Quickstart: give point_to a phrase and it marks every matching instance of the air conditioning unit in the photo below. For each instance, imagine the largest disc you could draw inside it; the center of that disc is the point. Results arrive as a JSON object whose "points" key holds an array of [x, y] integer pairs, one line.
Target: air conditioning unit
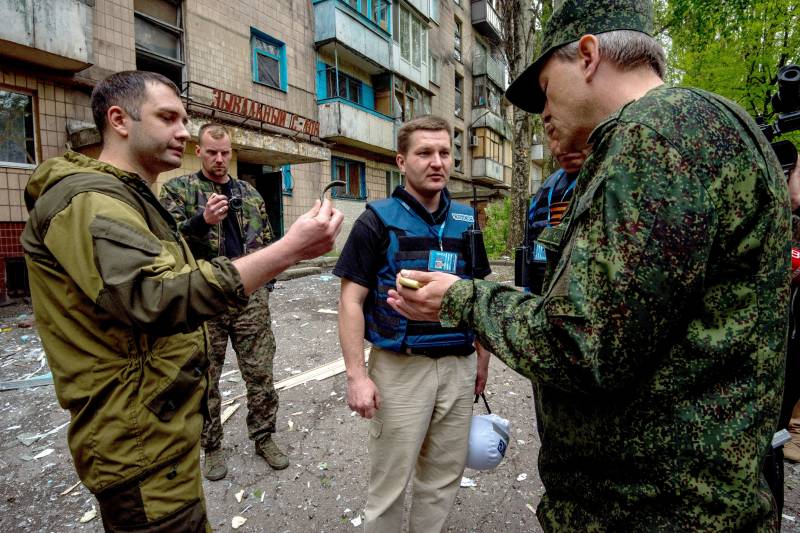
{"points": [[473, 141]]}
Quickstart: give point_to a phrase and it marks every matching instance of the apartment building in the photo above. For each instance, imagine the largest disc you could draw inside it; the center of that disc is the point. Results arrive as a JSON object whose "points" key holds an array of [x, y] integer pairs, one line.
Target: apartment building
{"points": [[312, 90]]}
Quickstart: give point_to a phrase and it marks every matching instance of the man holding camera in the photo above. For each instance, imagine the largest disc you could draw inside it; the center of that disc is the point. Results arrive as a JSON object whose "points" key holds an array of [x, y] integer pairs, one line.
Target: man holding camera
{"points": [[220, 215]]}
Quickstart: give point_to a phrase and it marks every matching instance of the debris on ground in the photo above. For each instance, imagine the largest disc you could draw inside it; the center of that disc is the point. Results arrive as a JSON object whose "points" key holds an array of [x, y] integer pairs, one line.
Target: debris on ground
{"points": [[468, 482], [89, 515], [238, 521]]}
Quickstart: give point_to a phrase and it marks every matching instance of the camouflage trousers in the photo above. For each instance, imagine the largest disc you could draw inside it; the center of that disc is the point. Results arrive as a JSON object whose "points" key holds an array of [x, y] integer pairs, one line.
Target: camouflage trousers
{"points": [[251, 336]]}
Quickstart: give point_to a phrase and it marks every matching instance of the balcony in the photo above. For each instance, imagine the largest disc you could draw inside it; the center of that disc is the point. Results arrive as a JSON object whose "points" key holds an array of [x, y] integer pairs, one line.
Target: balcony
{"points": [[56, 34], [487, 171], [494, 122], [357, 40], [486, 65], [486, 20], [346, 123]]}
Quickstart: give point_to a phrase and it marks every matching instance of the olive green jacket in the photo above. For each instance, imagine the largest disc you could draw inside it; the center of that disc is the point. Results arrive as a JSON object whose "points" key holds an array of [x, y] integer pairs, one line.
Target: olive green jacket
{"points": [[120, 304]]}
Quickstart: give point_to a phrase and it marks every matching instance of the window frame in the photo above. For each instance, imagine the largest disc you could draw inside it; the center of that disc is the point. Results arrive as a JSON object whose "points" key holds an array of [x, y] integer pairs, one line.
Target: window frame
{"points": [[420, 41], [458, 150], [139, 49], [34, 130], [391, 177], [256, 34], [348, 163], [458, 40], [458, 95]]}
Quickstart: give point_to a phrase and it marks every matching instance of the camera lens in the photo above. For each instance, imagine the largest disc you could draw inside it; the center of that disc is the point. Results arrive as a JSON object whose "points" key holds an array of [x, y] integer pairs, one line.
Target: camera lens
{"points": [[235, 203]]}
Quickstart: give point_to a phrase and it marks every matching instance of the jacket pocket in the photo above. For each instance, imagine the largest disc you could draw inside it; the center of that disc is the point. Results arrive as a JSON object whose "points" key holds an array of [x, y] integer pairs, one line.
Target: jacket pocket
{"points": [[166, 402]]}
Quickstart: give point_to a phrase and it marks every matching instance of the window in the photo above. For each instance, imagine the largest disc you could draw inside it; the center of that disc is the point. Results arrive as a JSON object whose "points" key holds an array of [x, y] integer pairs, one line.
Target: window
{"points": [[457, 44], [413, 38], [435, 11], [393, 180], [458, 141], [269, 60], [433, 73], [17, 143], [410, 100], [158, 32], [352, 173], [339, 84], [380, 13], [459, 95], [485, 94]]}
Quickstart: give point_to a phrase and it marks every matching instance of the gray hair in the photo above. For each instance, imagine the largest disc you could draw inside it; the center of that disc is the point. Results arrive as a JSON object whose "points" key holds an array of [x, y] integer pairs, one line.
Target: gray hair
{"points": [[627, 49]]}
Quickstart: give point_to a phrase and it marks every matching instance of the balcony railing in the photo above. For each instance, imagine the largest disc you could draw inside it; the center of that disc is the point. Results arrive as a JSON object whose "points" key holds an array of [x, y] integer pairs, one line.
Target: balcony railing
{"points": [[483, 64], [57, 34], [486, 20], [488, 171], [348, 123]]}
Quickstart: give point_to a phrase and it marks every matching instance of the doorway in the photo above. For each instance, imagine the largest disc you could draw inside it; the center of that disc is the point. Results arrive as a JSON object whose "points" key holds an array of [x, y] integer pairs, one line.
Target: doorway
{"points": [[269, 185]]}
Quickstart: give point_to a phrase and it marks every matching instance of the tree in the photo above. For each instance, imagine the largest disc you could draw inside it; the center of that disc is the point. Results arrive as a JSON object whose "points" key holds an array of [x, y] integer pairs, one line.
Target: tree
{"points": [[522, 21], [734, 48]]}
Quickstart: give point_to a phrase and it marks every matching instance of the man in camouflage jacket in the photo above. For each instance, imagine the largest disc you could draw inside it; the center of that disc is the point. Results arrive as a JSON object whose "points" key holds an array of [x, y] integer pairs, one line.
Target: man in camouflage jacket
{"points": [[120, 304], [219, 215], [658, 345]]}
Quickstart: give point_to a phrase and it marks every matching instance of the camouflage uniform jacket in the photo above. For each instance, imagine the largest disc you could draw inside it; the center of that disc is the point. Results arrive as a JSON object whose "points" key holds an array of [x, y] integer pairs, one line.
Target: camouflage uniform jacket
{"points": [[185, 198], [658, 345], [120, 304]]}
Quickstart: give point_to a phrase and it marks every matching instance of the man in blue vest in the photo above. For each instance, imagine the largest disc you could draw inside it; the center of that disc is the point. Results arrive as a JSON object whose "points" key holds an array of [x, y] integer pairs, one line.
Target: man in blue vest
{"points": [[418, 390]]}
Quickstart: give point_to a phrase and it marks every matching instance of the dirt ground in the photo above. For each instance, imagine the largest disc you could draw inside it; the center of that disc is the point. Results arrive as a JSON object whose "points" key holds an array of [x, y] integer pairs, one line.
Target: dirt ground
{"points": [[324, 488]]}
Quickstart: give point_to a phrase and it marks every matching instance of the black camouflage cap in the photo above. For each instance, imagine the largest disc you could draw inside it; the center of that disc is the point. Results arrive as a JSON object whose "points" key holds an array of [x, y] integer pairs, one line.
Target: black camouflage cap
{"points": [[570, 22]]}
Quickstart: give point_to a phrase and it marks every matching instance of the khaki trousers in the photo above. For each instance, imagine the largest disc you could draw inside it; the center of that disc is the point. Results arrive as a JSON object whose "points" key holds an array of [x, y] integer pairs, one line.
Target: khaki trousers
{"points": [[422, 428]]}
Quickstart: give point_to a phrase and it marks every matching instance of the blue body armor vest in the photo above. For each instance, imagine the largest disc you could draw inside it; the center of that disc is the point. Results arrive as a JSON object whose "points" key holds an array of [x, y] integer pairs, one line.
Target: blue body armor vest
{"points": [[410, 241]]}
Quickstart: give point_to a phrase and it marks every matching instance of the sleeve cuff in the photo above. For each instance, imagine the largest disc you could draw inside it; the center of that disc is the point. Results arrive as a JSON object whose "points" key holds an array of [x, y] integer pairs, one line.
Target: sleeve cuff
{"points": [[197, 225], [457, 304]]}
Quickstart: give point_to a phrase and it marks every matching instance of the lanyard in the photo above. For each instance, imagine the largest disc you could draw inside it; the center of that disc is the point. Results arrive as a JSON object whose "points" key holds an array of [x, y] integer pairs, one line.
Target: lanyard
{"points": [[441, 228]]}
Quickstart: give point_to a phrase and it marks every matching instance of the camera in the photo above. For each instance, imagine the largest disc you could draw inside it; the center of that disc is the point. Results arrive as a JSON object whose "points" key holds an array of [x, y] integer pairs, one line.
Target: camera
{"points": [[786, 104], [235, 203]]}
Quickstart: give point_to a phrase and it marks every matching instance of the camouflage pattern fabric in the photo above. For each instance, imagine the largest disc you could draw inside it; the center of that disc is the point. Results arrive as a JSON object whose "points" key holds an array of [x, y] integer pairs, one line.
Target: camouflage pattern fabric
{"points": [[251, 330], [186, 196], [251, 335], [659, 344]]}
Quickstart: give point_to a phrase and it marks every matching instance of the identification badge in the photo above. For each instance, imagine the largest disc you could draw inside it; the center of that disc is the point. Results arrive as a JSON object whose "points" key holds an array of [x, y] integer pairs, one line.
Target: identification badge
{"points": [[539, 253], [442, 261]]}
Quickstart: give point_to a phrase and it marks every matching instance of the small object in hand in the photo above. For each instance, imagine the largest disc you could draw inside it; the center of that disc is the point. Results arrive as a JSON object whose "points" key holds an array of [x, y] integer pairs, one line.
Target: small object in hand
{"points": [[334, 183], [410, 283]]}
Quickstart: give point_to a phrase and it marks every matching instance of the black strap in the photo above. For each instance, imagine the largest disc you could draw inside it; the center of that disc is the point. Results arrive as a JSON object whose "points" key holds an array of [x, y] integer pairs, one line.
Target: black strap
{"points": [[484, 401]]}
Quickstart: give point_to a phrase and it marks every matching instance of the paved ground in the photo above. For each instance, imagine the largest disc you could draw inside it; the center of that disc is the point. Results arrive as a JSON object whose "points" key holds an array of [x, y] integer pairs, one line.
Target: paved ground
{"points": [[324, 488]]}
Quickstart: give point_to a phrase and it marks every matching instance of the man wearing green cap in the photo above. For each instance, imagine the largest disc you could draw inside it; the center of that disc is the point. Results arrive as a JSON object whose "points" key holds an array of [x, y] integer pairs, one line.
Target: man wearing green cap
{"points": [[658, 345]]}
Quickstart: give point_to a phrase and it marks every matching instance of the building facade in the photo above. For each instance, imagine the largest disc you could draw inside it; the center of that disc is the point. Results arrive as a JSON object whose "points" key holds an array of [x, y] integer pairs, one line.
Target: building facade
{"points": [[311, 90]]}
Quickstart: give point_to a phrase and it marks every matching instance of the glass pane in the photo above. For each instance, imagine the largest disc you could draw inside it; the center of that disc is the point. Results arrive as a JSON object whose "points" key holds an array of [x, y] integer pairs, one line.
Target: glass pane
{"points": [[268, 70], [330, 79], [405, 35], [16, 128], [365, 8], [416, 35], [354, 179], [342, 86], [354, 90], [352, 3], [339, 170], [156, 39], [159, 9], [478, 92], [267, 47]]}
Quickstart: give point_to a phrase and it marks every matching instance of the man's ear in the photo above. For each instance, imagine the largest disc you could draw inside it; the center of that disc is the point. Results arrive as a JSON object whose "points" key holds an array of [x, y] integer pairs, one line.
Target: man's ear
{"points": [[401, 163], [589, 55], [117, 120]]}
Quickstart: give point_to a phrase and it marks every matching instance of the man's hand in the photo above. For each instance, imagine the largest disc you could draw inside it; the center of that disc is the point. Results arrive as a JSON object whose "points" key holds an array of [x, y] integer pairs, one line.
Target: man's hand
{"points": [[216, 209], [314, 233], [363, 396], [794, 187], [483, 368], [424, 303]]}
